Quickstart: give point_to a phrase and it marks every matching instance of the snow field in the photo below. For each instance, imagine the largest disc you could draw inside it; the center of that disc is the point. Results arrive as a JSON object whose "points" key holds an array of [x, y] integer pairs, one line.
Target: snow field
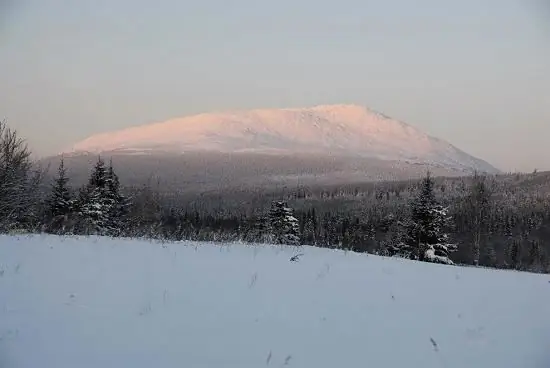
{"points": [[100, 302]]}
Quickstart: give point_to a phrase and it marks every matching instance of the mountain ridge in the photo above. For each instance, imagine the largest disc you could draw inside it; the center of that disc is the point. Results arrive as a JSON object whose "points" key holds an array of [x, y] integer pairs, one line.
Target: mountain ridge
{"points": [[331, 130]]}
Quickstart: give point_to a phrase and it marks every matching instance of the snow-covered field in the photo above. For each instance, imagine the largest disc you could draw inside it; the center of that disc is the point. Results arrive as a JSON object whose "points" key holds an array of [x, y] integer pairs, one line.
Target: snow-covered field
{"points": [[98, 302]]}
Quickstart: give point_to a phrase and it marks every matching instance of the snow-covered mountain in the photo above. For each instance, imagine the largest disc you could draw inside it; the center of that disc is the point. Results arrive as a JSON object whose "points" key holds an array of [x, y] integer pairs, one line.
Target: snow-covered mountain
{"points": [[332, 130]]}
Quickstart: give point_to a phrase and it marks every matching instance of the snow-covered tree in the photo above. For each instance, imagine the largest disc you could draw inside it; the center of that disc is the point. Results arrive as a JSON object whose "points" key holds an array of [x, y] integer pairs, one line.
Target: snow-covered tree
{"points": [[20, 182], [259, 230], [284, 226], [60, 202], [478, 205], [98, 178], [424, 232], [118, 203], [309, 227], [536, 256], [95, 202], [440, 249], [514, 253]]}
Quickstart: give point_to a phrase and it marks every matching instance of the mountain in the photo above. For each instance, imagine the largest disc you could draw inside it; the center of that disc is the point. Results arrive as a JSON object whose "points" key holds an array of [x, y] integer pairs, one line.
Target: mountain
{"points": [[343, 131], [243, 150]]}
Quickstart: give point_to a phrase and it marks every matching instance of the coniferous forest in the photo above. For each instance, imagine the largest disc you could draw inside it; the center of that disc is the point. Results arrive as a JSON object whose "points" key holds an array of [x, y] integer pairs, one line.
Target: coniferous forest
{"points": [[493, 221]]}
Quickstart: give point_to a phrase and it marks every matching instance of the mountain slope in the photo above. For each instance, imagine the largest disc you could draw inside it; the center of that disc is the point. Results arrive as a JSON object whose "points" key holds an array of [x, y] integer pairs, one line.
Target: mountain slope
{"points": [[331, 130], [99, 302]]}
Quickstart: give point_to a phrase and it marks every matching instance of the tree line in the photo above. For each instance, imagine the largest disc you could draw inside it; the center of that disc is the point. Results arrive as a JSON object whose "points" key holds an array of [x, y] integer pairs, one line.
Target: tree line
{"points": [[477, 221], [97, 208]]}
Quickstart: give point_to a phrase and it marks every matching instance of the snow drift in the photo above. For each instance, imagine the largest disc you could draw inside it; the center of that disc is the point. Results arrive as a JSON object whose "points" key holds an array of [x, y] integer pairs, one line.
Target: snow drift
{"points": [[334, 130], [97, 302]]}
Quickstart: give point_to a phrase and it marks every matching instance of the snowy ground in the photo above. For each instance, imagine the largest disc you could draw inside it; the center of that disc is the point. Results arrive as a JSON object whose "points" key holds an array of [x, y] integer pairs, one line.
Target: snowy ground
{"points": [[97, 302]]}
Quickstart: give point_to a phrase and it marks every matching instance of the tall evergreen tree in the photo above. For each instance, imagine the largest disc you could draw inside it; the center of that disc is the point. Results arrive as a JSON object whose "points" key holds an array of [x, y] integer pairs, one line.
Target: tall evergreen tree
{"points": [[60, 202], [309, 233], [117, 201], [261, 230], [535, 256], [98, 177], [283, 225], [424, 235], [514, 254], [95, 202], [478, 209]]}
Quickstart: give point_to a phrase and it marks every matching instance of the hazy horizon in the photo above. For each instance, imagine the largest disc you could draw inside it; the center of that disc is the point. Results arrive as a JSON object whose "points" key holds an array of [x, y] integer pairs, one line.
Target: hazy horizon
{"points": [[474, 74]]}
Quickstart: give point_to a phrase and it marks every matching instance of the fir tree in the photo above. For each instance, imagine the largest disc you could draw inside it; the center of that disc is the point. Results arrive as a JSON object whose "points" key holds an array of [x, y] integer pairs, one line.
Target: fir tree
{"points": [[98, 178], [478, 206], [60, 202], [262, 230], [118, 204], [535, 256], [95, 202], [283, 225], [490, 256], [310, 227], [424, 236], [514, 254]]}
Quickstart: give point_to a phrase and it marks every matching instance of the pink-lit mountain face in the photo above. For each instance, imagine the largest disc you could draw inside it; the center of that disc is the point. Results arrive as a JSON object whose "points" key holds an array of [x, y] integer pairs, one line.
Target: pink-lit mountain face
{"points": [[330, 130]]}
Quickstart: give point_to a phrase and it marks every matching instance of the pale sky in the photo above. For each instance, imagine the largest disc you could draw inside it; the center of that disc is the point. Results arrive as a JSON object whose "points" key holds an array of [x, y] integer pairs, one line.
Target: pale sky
{"points": [[473, 72]]}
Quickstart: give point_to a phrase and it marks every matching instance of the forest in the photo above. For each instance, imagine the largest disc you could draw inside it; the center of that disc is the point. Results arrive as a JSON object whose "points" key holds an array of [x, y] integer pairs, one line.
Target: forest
{"points": [[500, 221]]}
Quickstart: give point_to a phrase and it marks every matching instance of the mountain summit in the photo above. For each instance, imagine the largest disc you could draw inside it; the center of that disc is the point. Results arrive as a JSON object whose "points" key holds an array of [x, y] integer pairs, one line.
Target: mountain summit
{"points": [[327, 130]]}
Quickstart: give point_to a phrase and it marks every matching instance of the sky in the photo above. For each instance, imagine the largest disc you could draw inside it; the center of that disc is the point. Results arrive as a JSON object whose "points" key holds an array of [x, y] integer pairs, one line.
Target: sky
{"points": [[474, 73]]}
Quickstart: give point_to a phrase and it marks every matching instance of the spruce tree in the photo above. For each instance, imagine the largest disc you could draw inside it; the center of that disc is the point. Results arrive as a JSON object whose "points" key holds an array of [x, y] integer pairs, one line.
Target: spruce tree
{"points": [[283, 225], [535, 256], [60, 202], [424, 232], [95, 202], [118, 203], [478, 210], [514, 254], [310, 228], [98, 178], [262, 230]]}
